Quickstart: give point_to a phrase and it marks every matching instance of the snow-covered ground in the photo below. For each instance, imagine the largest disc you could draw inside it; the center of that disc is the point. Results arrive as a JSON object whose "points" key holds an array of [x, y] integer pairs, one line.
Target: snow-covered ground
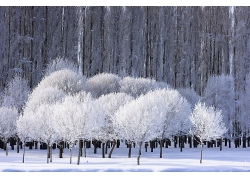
{"points": [[214, 160]]}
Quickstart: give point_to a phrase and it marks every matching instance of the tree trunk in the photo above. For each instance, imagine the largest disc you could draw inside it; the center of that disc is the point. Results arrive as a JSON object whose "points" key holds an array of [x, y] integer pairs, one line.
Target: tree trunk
{"points": [[79, 151], [220, 144], [106, 147], [112, 148], [84, 147], [17, 146], [129, 150], [161, 144], [50, 148], [229, 143], [201, 152], [48, 153], [103, 150], [61, 149], [70, 159], [6, 147], [23, 151], [139, 154]]}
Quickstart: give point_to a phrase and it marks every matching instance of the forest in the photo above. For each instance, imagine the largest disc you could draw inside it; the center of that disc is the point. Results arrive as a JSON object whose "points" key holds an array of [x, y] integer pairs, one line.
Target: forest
{"points": [[198, 55]]}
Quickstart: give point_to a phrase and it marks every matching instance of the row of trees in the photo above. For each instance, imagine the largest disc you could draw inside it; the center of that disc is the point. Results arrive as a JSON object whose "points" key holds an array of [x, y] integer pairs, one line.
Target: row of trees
{"points": [[66, 106]]}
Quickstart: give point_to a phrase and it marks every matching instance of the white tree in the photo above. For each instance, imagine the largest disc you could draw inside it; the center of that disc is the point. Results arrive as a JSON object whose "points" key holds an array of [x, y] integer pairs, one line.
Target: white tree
{"points": [[219, 92], [111, 102], [207, 124], [78, 117], [177, 110], [136, 120], [103, 83], [16, 93], [66, 80], [8, 118], [60, 64], [26, 128]]}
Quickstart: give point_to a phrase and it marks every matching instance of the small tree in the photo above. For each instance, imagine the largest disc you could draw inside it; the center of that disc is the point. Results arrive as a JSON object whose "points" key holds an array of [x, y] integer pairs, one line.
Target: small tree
{"points": [[8, 118], [207, 124], [140, 119], [111, 102]]}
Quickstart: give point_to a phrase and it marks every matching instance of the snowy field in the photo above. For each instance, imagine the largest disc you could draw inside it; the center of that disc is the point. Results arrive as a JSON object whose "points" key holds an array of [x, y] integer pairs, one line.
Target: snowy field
{"points": [[214, 160]]}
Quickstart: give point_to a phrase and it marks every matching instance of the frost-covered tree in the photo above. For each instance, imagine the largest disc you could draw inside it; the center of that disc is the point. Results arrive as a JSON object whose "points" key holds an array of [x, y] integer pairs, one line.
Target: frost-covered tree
{"points": [[26, 128], [8, 116], [16, 93], [219, 92], [66, 80], [135, 121], [176, 109], [207, 124], [111, 102], [78, 117], [103, 83], [60, 64]]}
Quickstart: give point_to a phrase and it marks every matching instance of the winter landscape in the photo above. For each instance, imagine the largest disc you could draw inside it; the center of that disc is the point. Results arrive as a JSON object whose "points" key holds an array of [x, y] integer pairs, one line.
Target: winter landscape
{"points": [[167, 92]]}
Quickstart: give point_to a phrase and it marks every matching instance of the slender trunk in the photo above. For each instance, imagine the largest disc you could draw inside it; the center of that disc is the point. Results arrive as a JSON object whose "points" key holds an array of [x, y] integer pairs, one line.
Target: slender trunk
{"points": [[106, 147], [161, 144], [84, 147], [79, 151], [70, 159], [229, 143], [17, 146], [61, 149], [129, 150], [201, 152], [181, 143], [50, 148], [112, 148], [48, 153], [23, 151], [139, 154], [103, 150], [220, 144], [6, 147]]}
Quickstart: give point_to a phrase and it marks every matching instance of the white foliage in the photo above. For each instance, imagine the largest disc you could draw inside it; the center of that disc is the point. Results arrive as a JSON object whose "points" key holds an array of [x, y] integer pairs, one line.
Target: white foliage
{"points": [[60, 64], [8, 118], [137, 86], [66, 80], [78, 117], [207, 122], [111, 102], [103, 83], [16, 93]]}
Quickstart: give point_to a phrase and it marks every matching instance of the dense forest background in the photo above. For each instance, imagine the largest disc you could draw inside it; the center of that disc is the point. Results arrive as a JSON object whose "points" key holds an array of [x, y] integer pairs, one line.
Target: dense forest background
{"points": [[180, 45]]}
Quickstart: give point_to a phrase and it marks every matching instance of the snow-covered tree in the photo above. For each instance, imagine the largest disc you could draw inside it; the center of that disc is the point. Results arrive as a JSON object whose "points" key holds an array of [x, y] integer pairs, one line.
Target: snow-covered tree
{"points": [[103, 83], [66, 80], [111, 102], [207, 124], [60, 64], [219, 92], [16, 93], [136, 121], [78, 117], [8, 116], [176, 109]]}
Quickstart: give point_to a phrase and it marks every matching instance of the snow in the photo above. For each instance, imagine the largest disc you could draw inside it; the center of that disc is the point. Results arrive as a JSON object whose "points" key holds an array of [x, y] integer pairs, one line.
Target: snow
{"points": [[214, 160]]}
